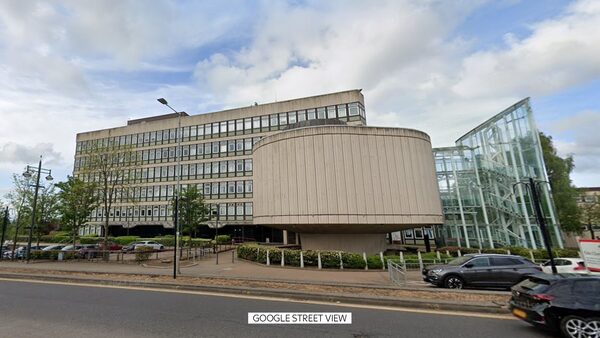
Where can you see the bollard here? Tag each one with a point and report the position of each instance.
(531, 255)
(301, 259)
(382, 260)
(401, 256)
(439, 257)
(458, 253)
(319, 257)
(268, 260)
(366, 262)
(341, 261)
(420, 261)
(508, 252)
(447, 253)
(282, 258)
(232, 255)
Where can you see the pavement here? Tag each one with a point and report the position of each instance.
(42, 309)
(207, 267)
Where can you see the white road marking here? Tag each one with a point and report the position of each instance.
(274, 299)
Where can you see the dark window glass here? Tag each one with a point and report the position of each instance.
(481, 261)
(501, 261)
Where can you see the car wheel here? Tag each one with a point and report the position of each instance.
(454, 282)
(575, 327)
(593, 327)
(161, 247)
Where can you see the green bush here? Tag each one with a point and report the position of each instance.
(125, 240)
(353, 260)
(142, 253)
(223, 239)
(90, 240)
(374, 262)
(292, 257)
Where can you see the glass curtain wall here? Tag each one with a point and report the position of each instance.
(484, 203)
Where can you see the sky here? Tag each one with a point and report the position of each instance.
(438, 66)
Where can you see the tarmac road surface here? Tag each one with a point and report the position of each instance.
(41, 309)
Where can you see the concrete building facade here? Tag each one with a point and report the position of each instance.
(215, 155)
(345, 187)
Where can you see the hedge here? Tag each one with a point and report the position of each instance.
(329, 259)
(520, 251)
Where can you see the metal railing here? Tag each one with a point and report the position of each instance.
(397, 273)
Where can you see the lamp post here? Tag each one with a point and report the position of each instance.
(28, 173)
(176, 265)
(533, 188)
(216, 213)
(4, 224)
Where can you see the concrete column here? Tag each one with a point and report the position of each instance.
(285, 237)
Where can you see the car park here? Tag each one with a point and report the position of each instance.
(53, 247)
(71, 247)
(566, 302)
(480, 270)
(130, 246)
(152, 244)
(566, 265)
(88, 251)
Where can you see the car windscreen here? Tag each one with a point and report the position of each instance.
(459, 261)
(535, 284)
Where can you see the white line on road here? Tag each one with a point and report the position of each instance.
(274, 299)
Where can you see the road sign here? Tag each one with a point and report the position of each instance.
(590, 251)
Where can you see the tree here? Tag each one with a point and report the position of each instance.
(107, 166)
(47, 209)
(77, 199)
(564, 193)
(192, 210)
(590, 214)
(20, 198)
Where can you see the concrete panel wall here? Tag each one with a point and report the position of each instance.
(354, 179)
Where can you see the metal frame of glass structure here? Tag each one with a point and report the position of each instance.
(483, 204)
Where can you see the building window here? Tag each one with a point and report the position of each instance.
(248, 186)
(331, 112)
(248, 207)
(248, 164)
(321, 113)
(239, 125)
(231, 187)
(353, 109)
(247, 124)
(239, 166)
(274, 120)
(255, 122)
(311, 114)
(223, 127)
(239, 187)
(265, 121)
(282, 119)
(292, 117)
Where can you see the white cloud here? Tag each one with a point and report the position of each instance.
(559, 53)
(61, 63)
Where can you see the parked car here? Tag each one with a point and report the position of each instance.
(112, 246)
(53, 247)
(566, 265)
(71, 247)
(21, 251)
(88, 251)
(566, 302)
(130, 246)
(480, 270)
(152, 244)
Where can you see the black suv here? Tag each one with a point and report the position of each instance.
(569, 302)
(486, 270)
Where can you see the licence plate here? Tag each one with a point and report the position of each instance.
(519, 313)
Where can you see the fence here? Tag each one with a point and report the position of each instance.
(397, 273)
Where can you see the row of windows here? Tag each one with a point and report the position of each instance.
(212, 190)
(204, 170)
(227, 211)
(348, 112)
(188, 152)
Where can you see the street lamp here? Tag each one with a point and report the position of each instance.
(176, 265)
(216, 213)
(28, 174)
(533, 188)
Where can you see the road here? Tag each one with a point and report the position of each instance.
(34, 309)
